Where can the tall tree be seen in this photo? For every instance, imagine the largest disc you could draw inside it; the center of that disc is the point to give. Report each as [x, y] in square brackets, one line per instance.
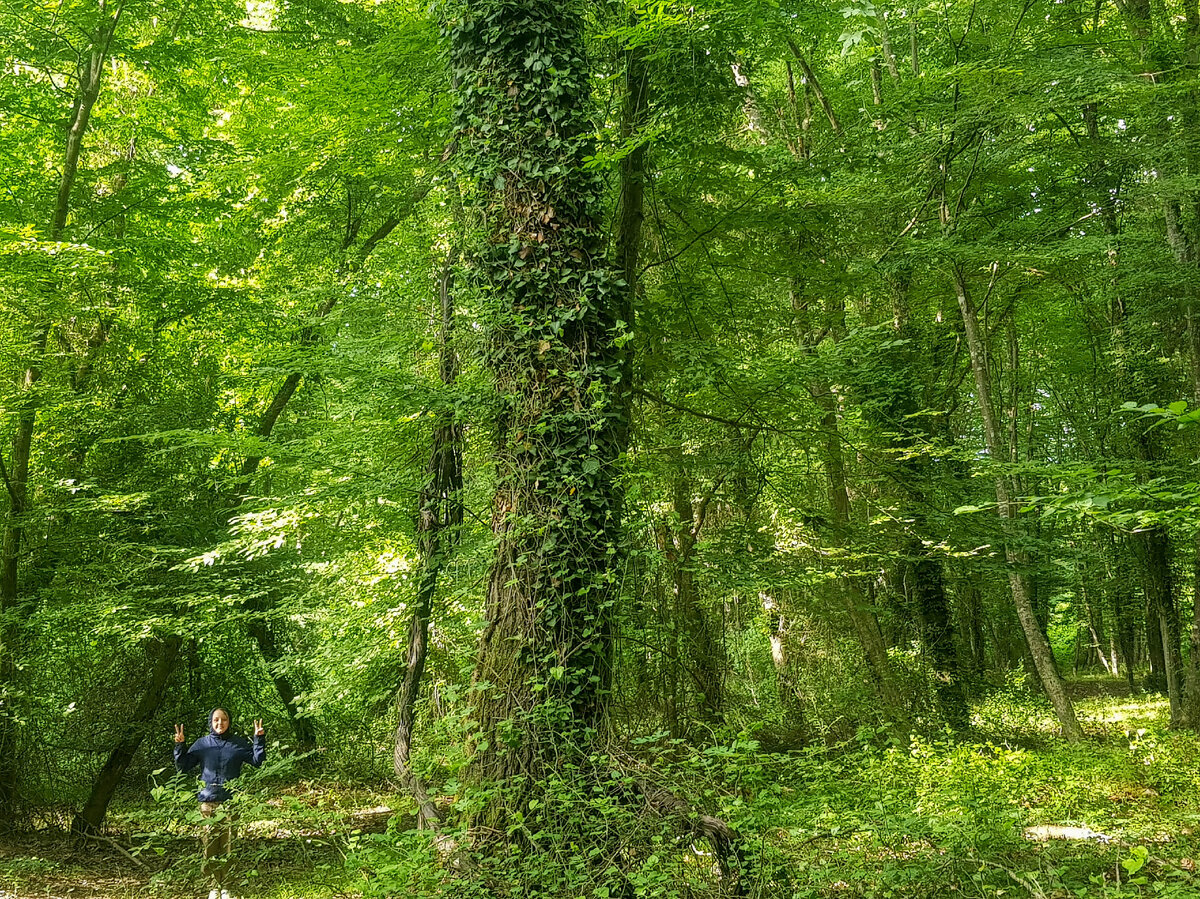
[549, 296]
[87, 82]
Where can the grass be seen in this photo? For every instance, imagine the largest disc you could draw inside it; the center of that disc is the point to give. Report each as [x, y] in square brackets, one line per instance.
[927, 818]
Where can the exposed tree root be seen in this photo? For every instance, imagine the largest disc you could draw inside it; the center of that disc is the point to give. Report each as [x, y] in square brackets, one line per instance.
[732, 860]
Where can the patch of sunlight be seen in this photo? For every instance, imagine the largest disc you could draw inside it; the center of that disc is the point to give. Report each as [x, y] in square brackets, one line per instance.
[1124, 711]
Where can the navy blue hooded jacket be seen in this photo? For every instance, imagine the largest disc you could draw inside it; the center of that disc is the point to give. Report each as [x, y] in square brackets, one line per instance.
[220, 757]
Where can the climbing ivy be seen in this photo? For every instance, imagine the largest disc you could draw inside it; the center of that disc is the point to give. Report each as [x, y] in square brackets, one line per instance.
[546, 296]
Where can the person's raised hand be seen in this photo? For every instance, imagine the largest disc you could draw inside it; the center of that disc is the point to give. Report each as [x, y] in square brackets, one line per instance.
[258, 728]
[179, 737]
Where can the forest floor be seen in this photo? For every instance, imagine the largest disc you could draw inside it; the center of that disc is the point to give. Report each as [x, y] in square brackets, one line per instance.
[1008, 810]
[290, 846]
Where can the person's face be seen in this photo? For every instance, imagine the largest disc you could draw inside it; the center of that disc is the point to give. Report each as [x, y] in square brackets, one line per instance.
[220, 721]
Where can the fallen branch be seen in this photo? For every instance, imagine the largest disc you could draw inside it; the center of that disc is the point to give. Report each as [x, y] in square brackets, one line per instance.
[101, 838]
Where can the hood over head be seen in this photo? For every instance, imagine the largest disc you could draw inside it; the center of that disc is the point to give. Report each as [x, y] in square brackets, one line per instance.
[228, 718]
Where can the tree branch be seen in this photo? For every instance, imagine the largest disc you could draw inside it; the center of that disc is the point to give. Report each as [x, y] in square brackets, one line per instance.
[811, 78]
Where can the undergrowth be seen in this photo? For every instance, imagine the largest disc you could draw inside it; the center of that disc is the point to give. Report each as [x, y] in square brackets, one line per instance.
[874, 817]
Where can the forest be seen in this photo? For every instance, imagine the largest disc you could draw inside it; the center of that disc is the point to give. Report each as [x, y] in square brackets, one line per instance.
[619, 449]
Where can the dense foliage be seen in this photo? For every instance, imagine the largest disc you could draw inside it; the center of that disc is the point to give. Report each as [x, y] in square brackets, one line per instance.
[662, 436]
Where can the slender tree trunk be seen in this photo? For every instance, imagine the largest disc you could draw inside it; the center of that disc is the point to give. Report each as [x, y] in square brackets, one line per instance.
[440, 517]
[790, 698]
[701, 656]
[88, 75]
[885, 46]
[1094, 619]
[16, 482]
[810, 80]
[1039, 648]
[1121, 604]
[287, 686]
[90, 71]
[856, 604]
[91, 816]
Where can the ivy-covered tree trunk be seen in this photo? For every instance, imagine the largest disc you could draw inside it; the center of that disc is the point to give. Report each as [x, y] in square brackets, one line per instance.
[548, 300]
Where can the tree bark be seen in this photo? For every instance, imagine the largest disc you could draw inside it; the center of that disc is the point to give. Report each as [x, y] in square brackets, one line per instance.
[925, 582]
[810, 79]
[885, 45]
[1162, 621]
[90, 70]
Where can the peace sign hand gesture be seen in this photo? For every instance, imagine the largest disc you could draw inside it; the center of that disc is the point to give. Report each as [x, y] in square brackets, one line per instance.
[258, 727]
[179, 737]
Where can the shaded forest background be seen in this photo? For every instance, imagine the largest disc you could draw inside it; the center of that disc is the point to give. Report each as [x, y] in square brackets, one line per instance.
[495, 396]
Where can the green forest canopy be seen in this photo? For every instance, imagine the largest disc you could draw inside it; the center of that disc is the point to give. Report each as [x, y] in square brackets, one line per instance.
[490, 393]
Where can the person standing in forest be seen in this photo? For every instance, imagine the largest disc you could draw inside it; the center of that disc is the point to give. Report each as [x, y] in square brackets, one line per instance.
[220, 755]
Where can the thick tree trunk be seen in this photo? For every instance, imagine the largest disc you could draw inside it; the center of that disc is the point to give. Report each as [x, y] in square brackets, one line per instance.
[545, 653]
[1039, 648]
[1191, 693]
[922, 571]
[91, 816]
[1185, 245]
[1162, 621]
